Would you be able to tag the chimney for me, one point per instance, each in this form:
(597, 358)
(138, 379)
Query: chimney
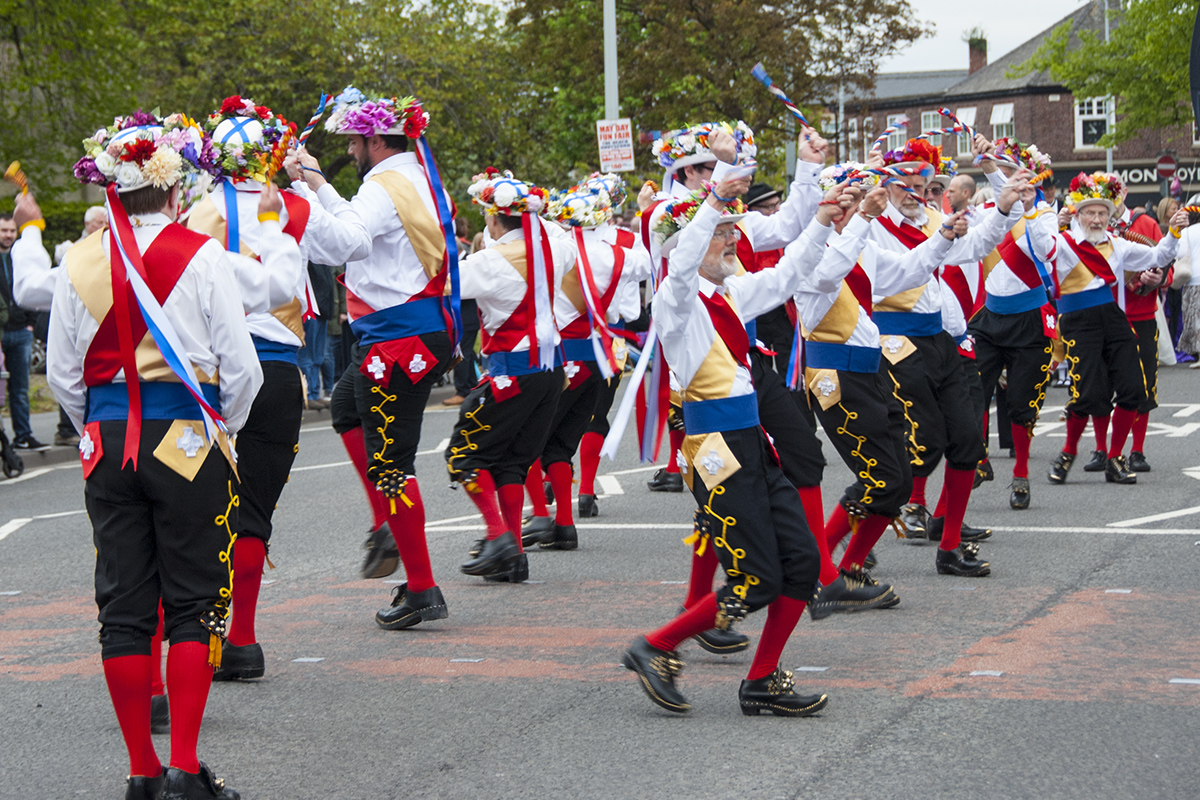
(977, 49)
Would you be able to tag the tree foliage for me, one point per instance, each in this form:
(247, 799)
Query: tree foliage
(1143, 65)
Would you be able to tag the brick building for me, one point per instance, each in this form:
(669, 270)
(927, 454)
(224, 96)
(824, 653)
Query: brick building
(1033, 108)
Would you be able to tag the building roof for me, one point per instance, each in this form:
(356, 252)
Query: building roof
(892, 85)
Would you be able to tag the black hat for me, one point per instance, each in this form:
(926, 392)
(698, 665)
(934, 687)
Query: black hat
(757, 193)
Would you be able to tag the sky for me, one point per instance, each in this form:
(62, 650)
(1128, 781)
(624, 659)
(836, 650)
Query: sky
(1006, 26)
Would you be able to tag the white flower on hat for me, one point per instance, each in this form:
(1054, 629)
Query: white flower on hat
(127, 174)
(505, 195)
(687, 142)
(106, 164)
(100, 136)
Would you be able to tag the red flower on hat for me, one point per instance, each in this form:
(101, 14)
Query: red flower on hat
(138, 151)
(231, 105)
(263, 112)
(921, 149)
(491, 172)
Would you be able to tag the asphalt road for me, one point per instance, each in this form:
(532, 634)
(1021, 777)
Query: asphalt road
(1088, 617)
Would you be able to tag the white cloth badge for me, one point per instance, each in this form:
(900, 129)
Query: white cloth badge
(377, 368)
(87, 446)
(712, 462)
(189, 442)
(967, 345)
(571, 369)
(893, 344)
(417, 364)
(1049, 320)
(826, 386)
(621, 350)
(502, 382)
(681, 462)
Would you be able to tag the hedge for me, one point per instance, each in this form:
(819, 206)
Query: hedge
(64, 219)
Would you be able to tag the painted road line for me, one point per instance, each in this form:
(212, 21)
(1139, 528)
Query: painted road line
(1183, 512)
(321, 466)
(1186, 681)
(1135, 531)
(1118, 591)
(636, 469)
(36, 473)
(986, 673)
(13, 525)
(307, 660)
(61, 514)
(609, 484)
(1189, 410)
(810, 669)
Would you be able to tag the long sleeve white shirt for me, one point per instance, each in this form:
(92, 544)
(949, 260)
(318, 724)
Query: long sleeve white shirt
(33, 273)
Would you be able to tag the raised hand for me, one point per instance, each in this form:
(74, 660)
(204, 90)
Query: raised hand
(955, 225)
(723, 146)
(812, 146)
(27, 210)
(875, 203)
(269, 202)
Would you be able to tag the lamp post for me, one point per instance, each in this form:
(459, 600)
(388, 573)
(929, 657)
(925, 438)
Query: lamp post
(611, 104)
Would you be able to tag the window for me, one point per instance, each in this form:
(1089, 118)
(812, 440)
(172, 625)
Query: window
(1091, 122)
(895, 141)
(852, 140)
(1002, 121)
(1195, 134)
(868, 135)
(967, 117)
(932, 120)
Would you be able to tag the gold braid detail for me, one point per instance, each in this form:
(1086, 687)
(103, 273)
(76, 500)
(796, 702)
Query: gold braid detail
(1072, 363)
(387, 420)
(468, 445)
(869, 482)
(914, 449)
(738, 553)
(215, 620)
(1036, 403)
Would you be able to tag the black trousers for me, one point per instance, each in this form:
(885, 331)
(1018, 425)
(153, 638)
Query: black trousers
(1018, 343)
(868, 429)
(1102, 355)
(1147, 346)
(756, 523)
(390, 417)
(267, 445)
(932, 386)
(604, 401)
(505, 436)
(791, 431)
(159, 535)
(572, 415)
(775, 330)
(465, 376)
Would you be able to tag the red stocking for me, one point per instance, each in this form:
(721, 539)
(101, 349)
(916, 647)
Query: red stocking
(157, 686)
(836, 528)
(188, 679)
(697, 619)
(560, 481)
(814, 515)
(129, 679)
(958, 492)
(1075, 427)
(1100, 430)
(1020, 437)
(483, 494)
(356, 447)
(782, 616)
(512, 501)
(589, 461)
(700, 581)
(676, 443)
(537, 492)
(918, 492)
(408, 529)
(1122, 421)
(1139, 432)
(869, 531)
(249, 553)
(940, 511)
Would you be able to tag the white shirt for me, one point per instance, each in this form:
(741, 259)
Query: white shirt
(1126, 256)
(680, 317)
(497, 288)
(206, 310)
(600, 242)
(33, 275)
(382, 267)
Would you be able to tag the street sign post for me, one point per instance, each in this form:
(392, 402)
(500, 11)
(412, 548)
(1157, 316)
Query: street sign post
(1166, 167)
(615, 138)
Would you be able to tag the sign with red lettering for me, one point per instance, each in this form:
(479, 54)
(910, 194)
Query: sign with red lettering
(615, 137)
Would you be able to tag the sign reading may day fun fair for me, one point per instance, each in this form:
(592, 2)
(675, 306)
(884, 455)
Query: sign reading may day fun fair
(616, 144)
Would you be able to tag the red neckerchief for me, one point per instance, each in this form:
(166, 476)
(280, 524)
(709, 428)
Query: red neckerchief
(860, 287)
(1092, 259)
(909, 235)
(729, 326)
(1020, 264)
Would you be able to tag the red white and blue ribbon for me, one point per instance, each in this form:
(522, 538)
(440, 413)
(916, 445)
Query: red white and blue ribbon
(602, 338)
(759, 72)
(796, 358)
(126, 263)
(967, 129)
(633, 390)
(540, 260)
(446, 220)
(312, 122)
(900, 125)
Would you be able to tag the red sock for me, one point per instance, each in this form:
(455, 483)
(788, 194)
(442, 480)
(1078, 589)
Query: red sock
(512, 500)
(869, 531)
(129, 679)
(700, 580)
(157, 686)
(697, 619)
(483, 495)
(814, 515)
(188, 678)
(1075, 426)
(589, 461)
(676, 443)
(1100, 430)
(940, 511)
(560, 481)
(836, 528)
(537, 492)
(249, 554)
(958, 492)
(1020, 436)
(782, 616)
(1140, 424)
(918, 492)
(356, 447)
(1122, 422)
(408, 529)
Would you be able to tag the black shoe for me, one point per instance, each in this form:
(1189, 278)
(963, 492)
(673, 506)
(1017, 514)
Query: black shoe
(494, 556)
(66, 439)
(664, 481)
(410, 608)
(587, 506)
(563, 537)
(240, 663)
(180, 785)
(30, 444)
(539, 530)
(968, 533)
(1019, 498)
(722, 643)
(657, 669)
(1138, 462)
(983, 472)
(141, 787)
(871, 561)
(1097, 462)
(518, 573)
(1117, 471)
(850, 592)
(775, 694)
(383, 557)
(160, 714)
(1059, 469)
(962, 562)
(916, 520)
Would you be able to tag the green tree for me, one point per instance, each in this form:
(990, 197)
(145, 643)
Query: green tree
(1143, 65)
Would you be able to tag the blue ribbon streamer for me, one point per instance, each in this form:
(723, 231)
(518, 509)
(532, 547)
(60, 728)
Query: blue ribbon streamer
(1041, 268)
(793, 369)
(447, 223)
(232, 236)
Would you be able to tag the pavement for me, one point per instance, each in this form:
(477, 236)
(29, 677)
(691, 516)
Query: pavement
(1072, 672)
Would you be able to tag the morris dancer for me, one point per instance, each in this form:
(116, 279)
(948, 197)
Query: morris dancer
(150, 298)
(398, 259)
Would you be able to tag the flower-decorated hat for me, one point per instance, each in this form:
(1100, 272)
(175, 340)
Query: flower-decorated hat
(1027, 155)
(676, 149)
(581, 206)
(353, 113)
(838, 173)
(917, 156)
(500, 193)
(946, 170)
(1099, 187)
(612, 183)
(678, 213)
(251, 140)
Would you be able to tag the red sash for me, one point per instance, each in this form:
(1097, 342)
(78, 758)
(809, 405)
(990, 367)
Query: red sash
(1092, 259)
(298, 211)
(909, 235)
(729, 326)
(1020, 264)
(953, 277)
(625, 239)
(860, 287)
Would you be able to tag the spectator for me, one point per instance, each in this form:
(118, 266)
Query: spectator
(1187, 277)
(1166, 209)
(466, 374)
(94, 219)
(311, 358)
(341, 338)
(17, 344)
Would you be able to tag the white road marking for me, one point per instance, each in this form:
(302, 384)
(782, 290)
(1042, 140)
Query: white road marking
(35, 473)
(321, 466)
(609, 484)
(1186, 681)
(1183, 512)
(986, 673)
(636, 469)
(61, 514)
(13, 525)
(811, 669)
(307, 660)
(1118, 591)
(1188, 410)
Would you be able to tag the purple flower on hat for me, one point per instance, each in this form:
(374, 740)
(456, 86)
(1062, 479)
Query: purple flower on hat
(370, 119)
(86, 172)
(137, 118)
